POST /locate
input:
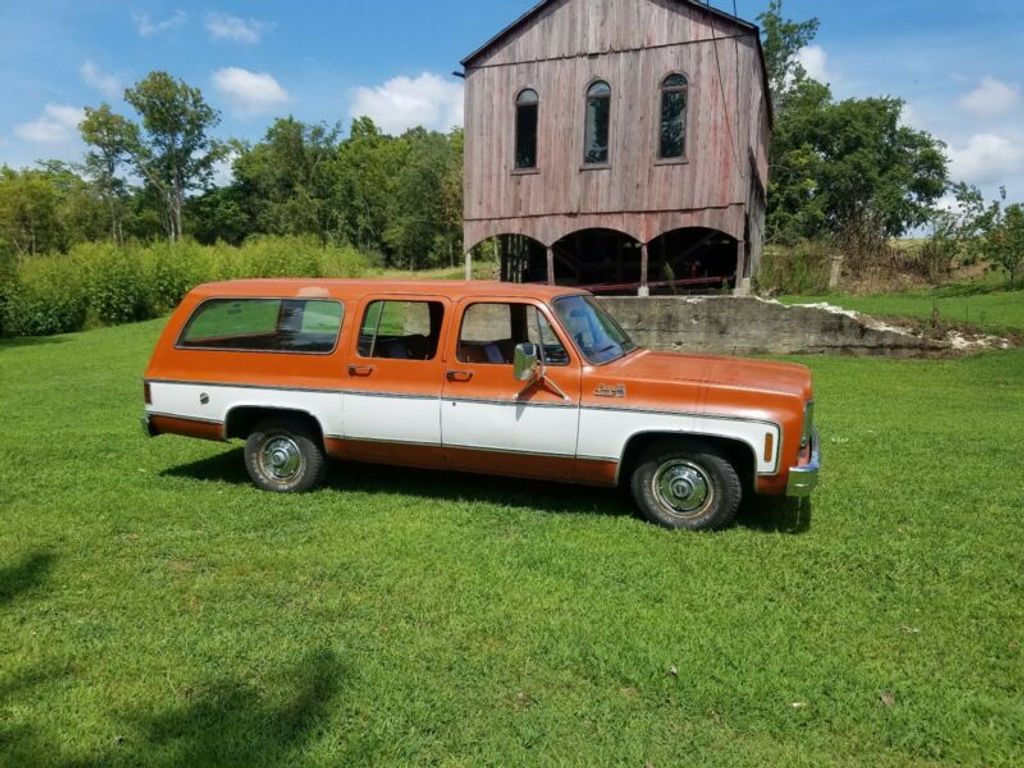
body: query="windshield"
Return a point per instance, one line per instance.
(597, 335)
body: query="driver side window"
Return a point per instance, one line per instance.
(491, 331)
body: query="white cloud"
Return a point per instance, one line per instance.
(147, 27)
(402, 103)
(987, 159)
(224, 170)
(224, 27)
(56, 125)
(102, 81)
(815, 61)
(991, 98)
(250, 92)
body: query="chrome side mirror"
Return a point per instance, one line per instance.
(527, 365)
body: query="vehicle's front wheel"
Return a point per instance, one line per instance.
(284, 455)
(690, 486)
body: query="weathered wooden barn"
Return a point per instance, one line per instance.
(620, 145)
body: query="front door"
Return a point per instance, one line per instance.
(494, 424)
(392, 398)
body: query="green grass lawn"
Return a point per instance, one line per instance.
(994, 311)
(156, 610)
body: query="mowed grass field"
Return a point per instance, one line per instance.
(994, 311)
(156, 610)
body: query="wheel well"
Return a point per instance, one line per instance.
(242, 421)
(739, 453)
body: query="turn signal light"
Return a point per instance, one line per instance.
(146, 394)
(769, 447)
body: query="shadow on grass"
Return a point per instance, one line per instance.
(25, 576)
(233, 723)
(227, 723)
(554, 498)
(776, 515)
(29, 341)
(770, 515)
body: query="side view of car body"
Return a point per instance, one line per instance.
(514, 380)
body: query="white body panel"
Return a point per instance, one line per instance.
(604, 433)
(392, 418)
(511, 427)
(184, 401)
(589, 433)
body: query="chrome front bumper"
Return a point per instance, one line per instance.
(803, 480)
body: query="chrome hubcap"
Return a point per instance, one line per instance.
(683, 488)
(280, 459)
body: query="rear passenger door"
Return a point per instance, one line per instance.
(493, 423)
(393, 382)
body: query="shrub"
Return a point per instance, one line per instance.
(118, 289)
(113, 285)
(172, 270)
(801, 269)
(45, 299)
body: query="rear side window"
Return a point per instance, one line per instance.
(401, 330)
(265, 325)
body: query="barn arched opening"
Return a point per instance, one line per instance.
(604, 261)
(518, 258)
(691, 261)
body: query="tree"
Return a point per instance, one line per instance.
(29, 222)
(288, 179)
(175, 155)
(113, 139)
(850, 170)
(1003, 242)
(782, 40)
(366, 172)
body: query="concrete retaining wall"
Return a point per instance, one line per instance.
(750, 326)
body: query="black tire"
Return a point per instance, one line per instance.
(686, 486)
(284, 455)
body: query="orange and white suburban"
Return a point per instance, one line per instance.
(522, 381)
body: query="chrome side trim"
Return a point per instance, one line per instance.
(803, 480)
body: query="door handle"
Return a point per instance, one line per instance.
(360, 370)
(461, 376)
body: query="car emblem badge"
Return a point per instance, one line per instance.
(606, 390)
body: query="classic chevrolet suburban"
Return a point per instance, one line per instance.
(515, 380)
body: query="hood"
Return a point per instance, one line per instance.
(786, 378)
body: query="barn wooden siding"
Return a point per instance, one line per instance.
(633, 45)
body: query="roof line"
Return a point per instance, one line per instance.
(545, 3)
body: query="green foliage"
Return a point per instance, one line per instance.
(848, 170)
(782, 41)
(45, 299)
(1003, 243)
(803, 268)
(111, 285)
(174, 152)
(116, 283)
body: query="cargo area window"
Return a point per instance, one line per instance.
(264, 325)
(401, 330)
(490, 333)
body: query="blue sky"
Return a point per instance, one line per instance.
(959, 64)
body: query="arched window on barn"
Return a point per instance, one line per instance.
(527, 113)
(673, 117)
(595, 144)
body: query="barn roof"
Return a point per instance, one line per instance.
(736, 21)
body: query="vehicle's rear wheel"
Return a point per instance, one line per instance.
(690, 486)
(284, 455)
